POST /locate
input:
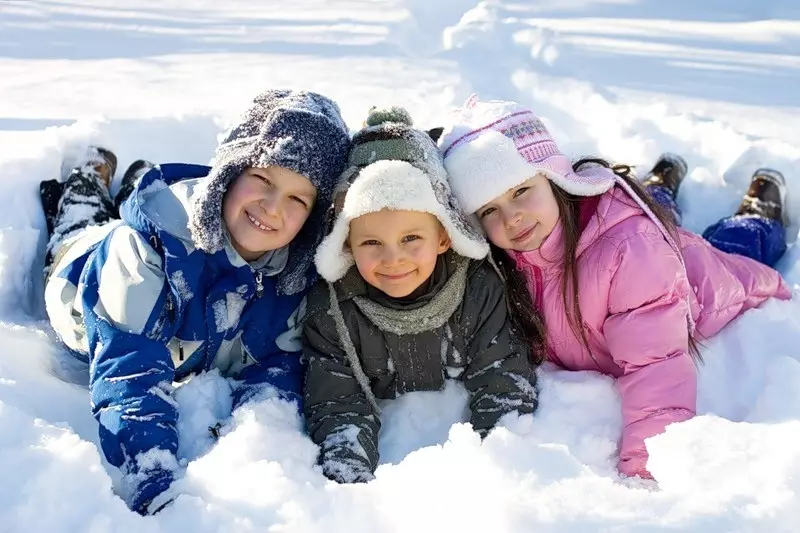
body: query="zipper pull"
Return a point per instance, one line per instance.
(170, 308)
(180, 351)
(259, 285)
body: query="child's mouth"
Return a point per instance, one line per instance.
(395, 277)
(258, 224)
(524, 235)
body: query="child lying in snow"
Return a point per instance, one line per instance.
(208, 268)
(621, 290)
(420, 306)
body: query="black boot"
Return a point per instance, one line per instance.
(84, 202)
(50, 194)
(766, 196)
(668, 172)
(98, 160)
(129, 180)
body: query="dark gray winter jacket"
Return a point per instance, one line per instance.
(454, 326)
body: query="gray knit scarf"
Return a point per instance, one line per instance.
(400, 321)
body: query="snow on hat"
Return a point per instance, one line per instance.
(298, 130)
(492, 146)
(394, 166)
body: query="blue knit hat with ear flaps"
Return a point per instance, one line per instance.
(298, 130)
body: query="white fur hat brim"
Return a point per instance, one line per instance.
(388, 184)
(490, 165)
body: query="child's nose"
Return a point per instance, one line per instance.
(270, 204)
(510, 218)
(391, 255)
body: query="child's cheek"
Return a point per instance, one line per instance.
(532, 205)
(494, 229)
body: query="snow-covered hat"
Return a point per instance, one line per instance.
(492, 146)
(394, 166)
(299, 130)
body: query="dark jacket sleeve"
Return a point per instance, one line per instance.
(499, 376)
(339, 418)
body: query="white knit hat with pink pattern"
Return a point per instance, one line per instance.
(492, 146)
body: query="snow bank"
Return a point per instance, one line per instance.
(735, 467)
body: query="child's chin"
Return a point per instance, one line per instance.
(396, 291)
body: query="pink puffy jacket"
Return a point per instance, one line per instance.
(634, 298)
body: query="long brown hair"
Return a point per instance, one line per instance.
(569, 208)
(526, 321)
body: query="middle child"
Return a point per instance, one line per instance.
(410, 301)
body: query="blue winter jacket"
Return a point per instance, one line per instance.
(147, 308)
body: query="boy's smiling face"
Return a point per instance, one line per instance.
(396, 251)
(265, 208)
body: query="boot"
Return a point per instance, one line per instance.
(84, 201)
(668, 172)
(102, 162)
(50, 192)
(766, 196)
(129, 180)
(97, 160)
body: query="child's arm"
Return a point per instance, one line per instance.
(499, 376)
(131, 372)
(647, 335)
(339, 418)
(280, 367)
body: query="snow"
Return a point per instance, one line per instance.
(714, 81)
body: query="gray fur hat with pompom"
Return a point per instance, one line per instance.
(392, 165)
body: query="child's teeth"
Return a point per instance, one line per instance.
(257, 223)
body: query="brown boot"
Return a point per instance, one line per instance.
(766, 196)
(100, 161)
(669, 171)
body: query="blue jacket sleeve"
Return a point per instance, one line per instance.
(131, 373)
(280, 367)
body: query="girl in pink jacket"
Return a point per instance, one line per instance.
(599, 277)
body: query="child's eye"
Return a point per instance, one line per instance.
(299, 201)
(521, 191)
(370, 242)
(486, 212)
(410, 238)
(265, 179)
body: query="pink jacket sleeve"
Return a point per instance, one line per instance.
(647, 336)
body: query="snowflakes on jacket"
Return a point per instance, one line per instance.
(147, 308)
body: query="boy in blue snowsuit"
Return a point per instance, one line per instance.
(207, 268)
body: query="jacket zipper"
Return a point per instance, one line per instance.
(259, 285)
(180, 351)
(538, 285)
(170, 308)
